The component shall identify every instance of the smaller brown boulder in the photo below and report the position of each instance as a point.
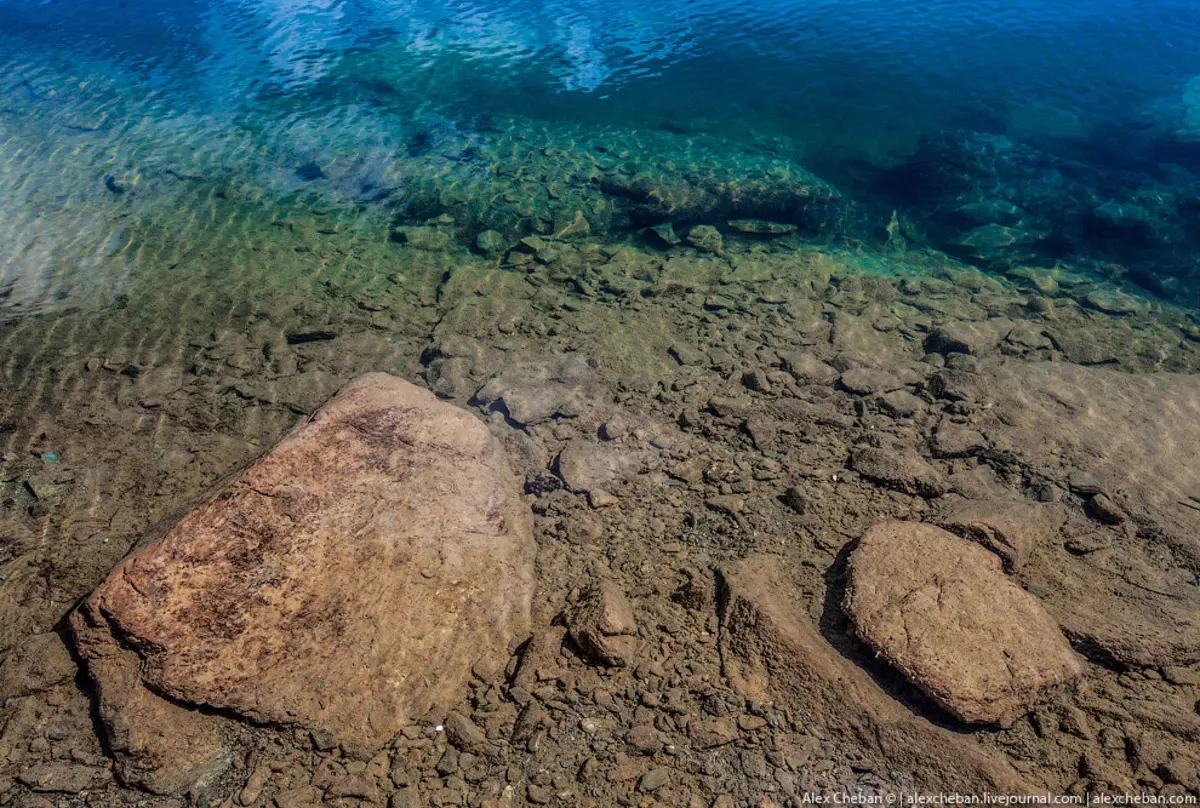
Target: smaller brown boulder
(941, 611)
(602, 624)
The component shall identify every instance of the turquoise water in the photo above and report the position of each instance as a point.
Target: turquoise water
(119, 116)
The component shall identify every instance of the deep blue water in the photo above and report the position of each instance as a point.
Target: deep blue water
(849, 88)
(852, 77)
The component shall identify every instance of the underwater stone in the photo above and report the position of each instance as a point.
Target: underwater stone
(576, 228)
(865, 381)
(992, 241)
(1111, 301)
(1012, 529)
(348, 583)
(773, 652)
(902, 469)
(309, 172)
(943, 613)
(976, 339)
(1131, 436)
(602, 624)
(587, 468)
(901, 403)
(532, 392)
(705, 238)
(430, 239)
(491, 243)
(663, 233)
(807, 368)
(991, 211)
(760, 227)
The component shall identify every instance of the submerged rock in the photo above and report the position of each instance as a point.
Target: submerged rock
(430, 239)
(346, 584)
(590, 468)
(943, 613)
(807, 368)
(900, 468)
(999, 201)
(664, 234)
(536, 391)
(1010, 528)
(772, 653)
(575, 228)
(865, 381)
(996, 243)
(760, 227)
(309, 172)
(705, 238)
(491, 243)
(1112, 301)
(977, 339)
(602, 624)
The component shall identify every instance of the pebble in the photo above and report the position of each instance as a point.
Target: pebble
(711, 733)
(59, 776)
(866, 381)
(901, 403)
(644, 740)
(902, 469)
(323, 740)
(464, 734)
(956, 440)
(751, 723)
(805, 367)
(1082, 482)
(255, 785)
(757, 381)
(1178, 675)
(539, 795)
(654, 779)
(1107, 510)
(448, 763)
(300, 797)
(794, 498)
(362, 786)
(688, 354)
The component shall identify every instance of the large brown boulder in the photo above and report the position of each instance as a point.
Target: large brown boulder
(941, 610)
(348, 583)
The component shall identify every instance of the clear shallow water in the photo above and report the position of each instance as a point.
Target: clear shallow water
(119, 118)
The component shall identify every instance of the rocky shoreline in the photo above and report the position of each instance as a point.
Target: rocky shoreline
(723, 446)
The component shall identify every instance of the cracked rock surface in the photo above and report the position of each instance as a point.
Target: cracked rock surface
(943, 613)
(347, 584)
